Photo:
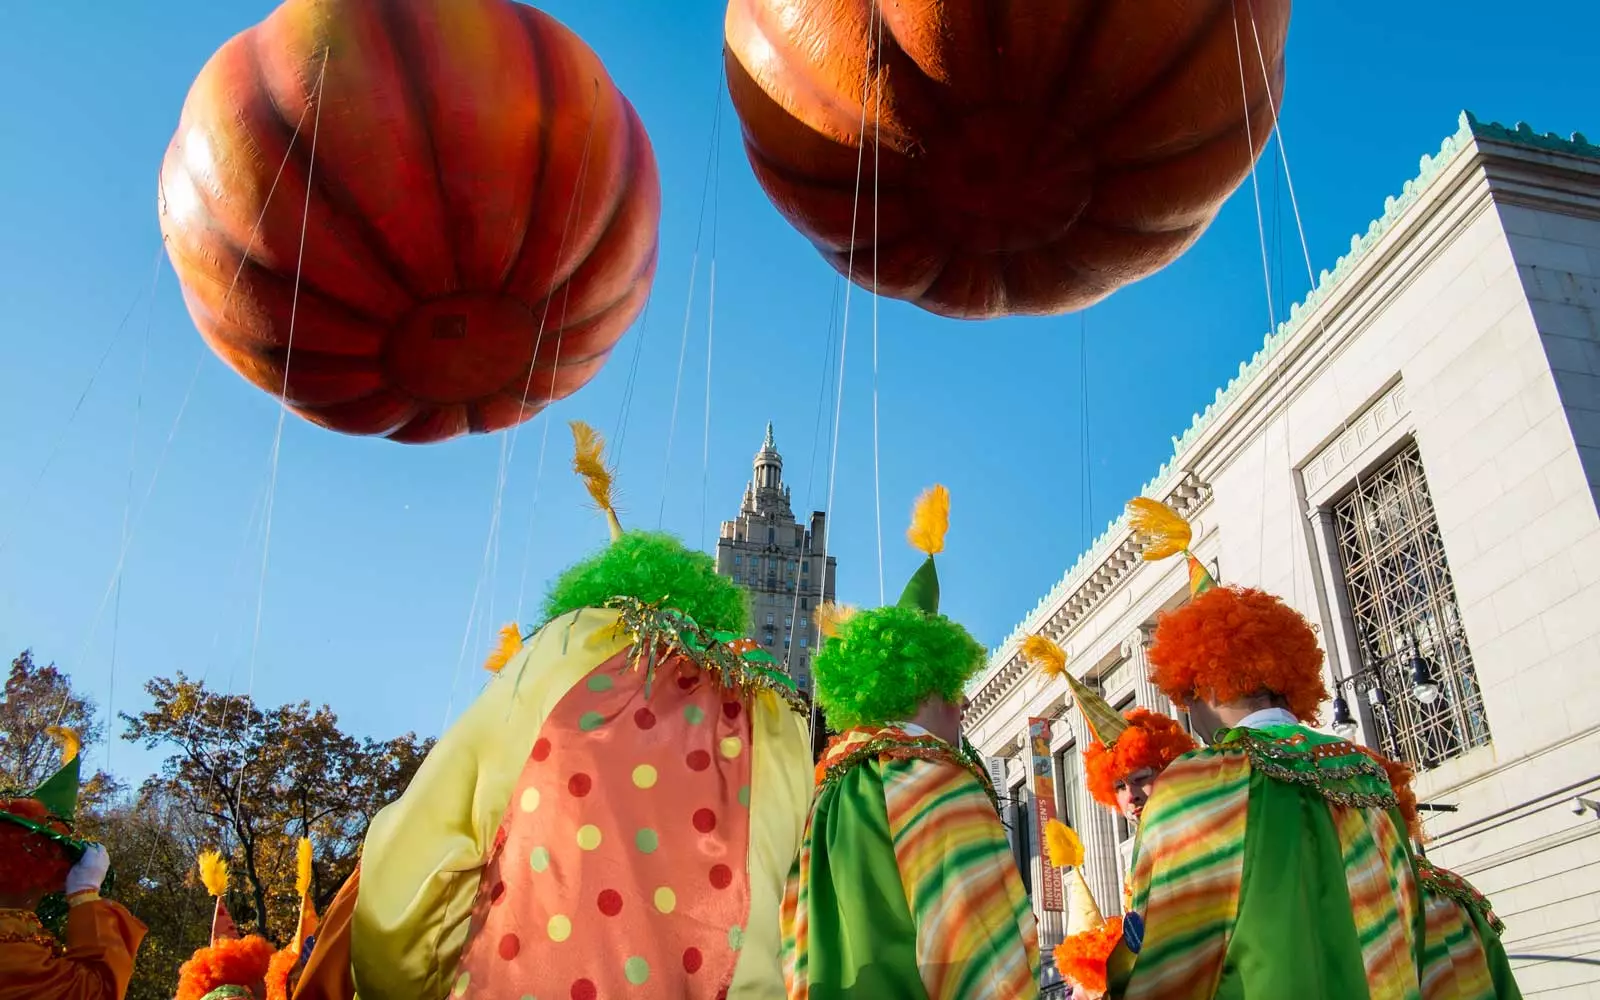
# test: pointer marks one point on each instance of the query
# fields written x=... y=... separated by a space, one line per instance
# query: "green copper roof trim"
x=1468 y=128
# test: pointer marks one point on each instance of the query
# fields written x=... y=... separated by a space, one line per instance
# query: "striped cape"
x=1272 y=864
x=905 y=886
x=1462 y=958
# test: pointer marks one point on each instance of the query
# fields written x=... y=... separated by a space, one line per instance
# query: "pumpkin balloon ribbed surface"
x=448 y=202
x=986 y=159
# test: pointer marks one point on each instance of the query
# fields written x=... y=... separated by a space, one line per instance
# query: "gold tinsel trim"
x=735 y=661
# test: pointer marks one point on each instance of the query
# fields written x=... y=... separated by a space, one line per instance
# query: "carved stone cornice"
x=1079 y=594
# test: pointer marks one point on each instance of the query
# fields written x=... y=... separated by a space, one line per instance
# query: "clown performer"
x=1274 y=862
x=614 y=814
x=1127 y=752
x=905 y=888
x=230 y=967
x=44 y=869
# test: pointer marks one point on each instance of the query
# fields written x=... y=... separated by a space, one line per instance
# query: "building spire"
x=768 y=444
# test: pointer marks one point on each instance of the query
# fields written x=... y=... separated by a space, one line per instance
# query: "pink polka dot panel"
x=620 y=864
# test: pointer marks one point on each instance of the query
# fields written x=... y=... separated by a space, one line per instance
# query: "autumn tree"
x=37 y=698
x=261 y=778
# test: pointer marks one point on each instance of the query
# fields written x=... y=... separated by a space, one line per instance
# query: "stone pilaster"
x=1146 y=694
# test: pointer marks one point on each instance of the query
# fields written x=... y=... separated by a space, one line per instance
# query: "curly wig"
x=883 y=664
x=30 y=863
x=1400 y=776
x=242 y=962
x=1151 y=740
x=1081 y=958
x=655 y=568
x=285 y=963
x=1232 y=643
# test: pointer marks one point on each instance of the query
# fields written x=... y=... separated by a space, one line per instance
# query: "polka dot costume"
x=620 y=866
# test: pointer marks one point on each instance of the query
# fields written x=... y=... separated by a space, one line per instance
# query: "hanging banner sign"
x=1044 y=809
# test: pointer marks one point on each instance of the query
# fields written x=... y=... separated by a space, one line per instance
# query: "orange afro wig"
x=1232 y=643
x=1151 y=740
x=30 y=863
x=285 y=963
x=226 y=963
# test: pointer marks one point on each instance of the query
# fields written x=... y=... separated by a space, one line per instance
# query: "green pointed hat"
x=930 y=520
x=57 y=793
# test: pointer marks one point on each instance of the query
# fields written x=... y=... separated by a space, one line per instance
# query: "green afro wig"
x=655 y=568
x=883 y=664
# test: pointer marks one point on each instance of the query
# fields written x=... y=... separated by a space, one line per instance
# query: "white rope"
x=127 y=506
x=188 y=392
x=705 y=446
x=877 y=154
x=1266 y=269
x=488 y=567
x=77 y=407
x=283 y=392
x=283 y=412
x=688 y=304
x=711 y=316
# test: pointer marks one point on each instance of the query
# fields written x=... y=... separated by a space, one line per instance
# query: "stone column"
x=1099 y=836
x=1146 y=693
x=1339 y=640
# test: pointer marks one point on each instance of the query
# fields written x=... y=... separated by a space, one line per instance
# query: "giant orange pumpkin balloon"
x=481 y=223
x=1003 y=158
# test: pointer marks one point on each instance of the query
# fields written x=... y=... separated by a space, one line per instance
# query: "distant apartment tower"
x=782 y=563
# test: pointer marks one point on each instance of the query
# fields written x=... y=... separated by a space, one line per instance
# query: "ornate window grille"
x=1403 y=602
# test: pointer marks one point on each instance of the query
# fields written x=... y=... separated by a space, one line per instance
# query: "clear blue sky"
x=376 y=548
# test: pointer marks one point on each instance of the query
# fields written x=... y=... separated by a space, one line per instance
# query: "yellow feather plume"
x=831 y=616
x=302 y=868
x=1050 y=658
x=588 y=461
x=213 y=872
x=1062 y=845
x=930 y=519
x=68 y=740
x=1162 y=529
x=510 y=645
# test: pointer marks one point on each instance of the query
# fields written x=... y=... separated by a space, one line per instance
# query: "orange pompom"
x=1151 y=740
x=1081 y=958
x=30 y=863
x=226 y=963
x=1232 y=643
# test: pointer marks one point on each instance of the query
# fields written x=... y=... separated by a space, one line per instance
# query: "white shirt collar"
x=912 y=729
x=1267 y=717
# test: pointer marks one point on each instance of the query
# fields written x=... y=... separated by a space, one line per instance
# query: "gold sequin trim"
x=33 y=934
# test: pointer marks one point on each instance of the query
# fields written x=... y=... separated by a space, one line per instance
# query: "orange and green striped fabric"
x=1462 y=958
x=1187 y=870
x=1273 y=864
x=905 y=888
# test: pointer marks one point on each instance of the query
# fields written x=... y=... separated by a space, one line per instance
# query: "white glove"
x=90 y=870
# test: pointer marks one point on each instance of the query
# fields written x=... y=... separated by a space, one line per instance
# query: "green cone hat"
x=922 y=590
x=930 y=520
x=59 y=792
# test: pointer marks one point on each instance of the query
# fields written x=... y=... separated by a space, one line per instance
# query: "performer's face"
x=1134 y=791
